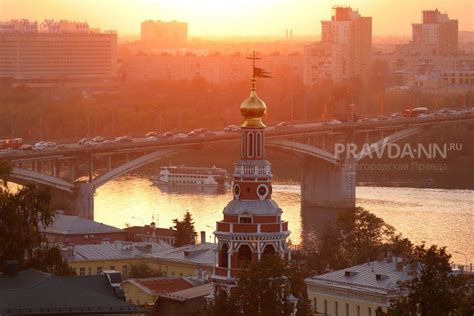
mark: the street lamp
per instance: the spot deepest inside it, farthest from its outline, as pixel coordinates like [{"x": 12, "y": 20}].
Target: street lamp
[
  {"x": 212, "y": 233},
  {"x": 462, "y": 253}
]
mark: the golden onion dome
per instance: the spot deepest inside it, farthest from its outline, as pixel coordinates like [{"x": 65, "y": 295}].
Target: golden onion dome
[{"x": 253, "y": 109}]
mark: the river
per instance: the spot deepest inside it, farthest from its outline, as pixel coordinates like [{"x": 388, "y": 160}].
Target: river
[{"x": 436, "y": 216}]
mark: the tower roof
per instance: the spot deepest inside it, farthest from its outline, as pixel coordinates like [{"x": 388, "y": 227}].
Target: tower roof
[
  {"x": 253, "y": 109},
  {"x": 252, "y": 207}
]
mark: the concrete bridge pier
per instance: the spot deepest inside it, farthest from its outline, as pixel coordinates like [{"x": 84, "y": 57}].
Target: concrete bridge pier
[
  {"x": 328, "y": 185},
  {"x": 84, "y": 200}
]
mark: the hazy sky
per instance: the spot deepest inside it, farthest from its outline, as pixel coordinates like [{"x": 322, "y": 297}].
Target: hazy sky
[{"x": 236, "y": 17}]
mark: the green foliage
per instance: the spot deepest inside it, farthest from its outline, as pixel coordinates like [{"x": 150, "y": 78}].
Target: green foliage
[
  {"x": 184, "y": 231},
  {"x": 142, "y": 270},
  {"x": 22, "y": 214},
  {"x": 356, "y": 237},
  {"x": 434, "y": 289},
  {"x": 264, "y": 288},
  {"x": 49, "y": 259}
]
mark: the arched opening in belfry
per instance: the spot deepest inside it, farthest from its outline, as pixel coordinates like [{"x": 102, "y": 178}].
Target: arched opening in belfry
[
  {"x": 223, "y": 257},
  {"x": 269, "y": 250},
  {"x": 244, "y": 255}
]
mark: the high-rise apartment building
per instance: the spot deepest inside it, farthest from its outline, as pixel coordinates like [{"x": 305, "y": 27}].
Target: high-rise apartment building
[
  {"x": 160, "y": 31},
  {"x": 344, "y": 50},
  {"x": 436, "y": 32},
  {"x": 57, "y": 53}
]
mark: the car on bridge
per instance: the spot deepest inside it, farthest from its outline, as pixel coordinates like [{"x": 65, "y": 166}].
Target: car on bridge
[
  {"x": 232, "y": 128},
  {"x": 282, "y": 126},
  {"x": 150, "y": 134},
  {"x": 168, "y": 134}
]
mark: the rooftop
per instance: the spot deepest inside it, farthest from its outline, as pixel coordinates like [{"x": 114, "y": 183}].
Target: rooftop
[
  {"x": 35, "y": 292},
  {"x": 73, "y": 225},
  {"x": 116, "y": 250},
  {"x": 200, "y": 254},
  {"x": 162, "y": 285},
  {"x": 378, "y": 277},
  {"x": 190, "y": 293}
]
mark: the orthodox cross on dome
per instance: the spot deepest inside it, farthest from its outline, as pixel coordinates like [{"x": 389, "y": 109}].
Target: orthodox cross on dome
[{"x": 258, "y": 72}]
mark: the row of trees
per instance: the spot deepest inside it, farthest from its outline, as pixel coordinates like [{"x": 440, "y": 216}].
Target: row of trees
[{"x": 172, "y": 105}]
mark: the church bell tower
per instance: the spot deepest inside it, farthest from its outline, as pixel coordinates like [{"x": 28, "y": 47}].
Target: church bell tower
[{"x": 252, "y": 226}]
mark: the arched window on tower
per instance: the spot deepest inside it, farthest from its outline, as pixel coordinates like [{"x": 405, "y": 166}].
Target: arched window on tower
[
  {"x": 259, "y": 145},
  {"x": 250, "y": 145},
  {"x": 269, "y": 250},
  {"x": 223, "y": 256},
  {"x": 245, "y": 255},
  {"x": 242, "y": 146}
]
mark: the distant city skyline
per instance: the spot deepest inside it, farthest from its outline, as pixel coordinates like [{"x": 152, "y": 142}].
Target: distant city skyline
[{"x": 211, "y": 18}]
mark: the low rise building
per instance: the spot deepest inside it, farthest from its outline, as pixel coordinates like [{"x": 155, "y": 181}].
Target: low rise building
[
  {"x": 192, "y": 260},
  {"x": 150, "y": 233},
  {"x": 33, "y": 292},
  {"x": 359, "y": 290},
  {"x": 66, "y": 229},
  {"x": 119, "y": 256},
  {"x": 145, "y": 291},
  {"x": 184, "y": 302},
  {"x": 214, "y": 68}
]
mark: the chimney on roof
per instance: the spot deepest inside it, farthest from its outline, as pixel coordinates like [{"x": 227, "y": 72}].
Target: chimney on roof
[
  {"x": 399, "y": 266},
  {"x": 148, "y": 248},
  {"x": 203, "y": 237},
  {"x": 153, "y": 225},
  {"x": 380, "y": 256},
  {"x": 12, "y": 268}
]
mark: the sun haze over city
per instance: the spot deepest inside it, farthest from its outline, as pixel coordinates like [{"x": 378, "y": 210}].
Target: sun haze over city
[{"x": 216, "y": 18}]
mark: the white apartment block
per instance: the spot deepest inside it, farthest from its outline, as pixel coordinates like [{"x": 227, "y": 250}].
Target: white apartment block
[
  {"x": 57, "y": 53},
  {"x": 213, "y": 68},
  {"x": 344, "y": 50}
]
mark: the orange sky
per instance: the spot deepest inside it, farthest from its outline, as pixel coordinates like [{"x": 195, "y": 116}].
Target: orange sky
[{"x": 236, "y": 17}]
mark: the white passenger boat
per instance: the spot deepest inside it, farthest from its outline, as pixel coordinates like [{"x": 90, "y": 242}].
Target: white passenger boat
[{"x": 194, "y": 176}]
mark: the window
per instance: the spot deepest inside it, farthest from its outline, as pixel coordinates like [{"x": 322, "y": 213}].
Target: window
[
  {"x": 358, "y": 310},
  {"x": 112, "y": 267},
  {"x": 315, "y": 305},
  {"x": 99, "y": 270},
  {"x": 250, "y": 145},
  {"x": 124, "y": 270},
  {"x": 89, "y": 271},
  {"x": 242, "y": 147},
  {"x": 82, "y": 271},
  {"x": 369, "y": 311},
  {"x": 347, "y": 309},
  {"x": 245, "y": 218},
  {"x": 259, "y": 145},
  {"x": 269, "y": 250},
  {"x": 336, "y": 308},
  {"x": 223, "y": 256},
  {"x": 325, "y": 306},
  {"x": 244, "y": 255}
]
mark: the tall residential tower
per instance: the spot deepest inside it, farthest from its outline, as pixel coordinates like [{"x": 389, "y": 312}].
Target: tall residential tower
[{"x": 344, "y": 50}]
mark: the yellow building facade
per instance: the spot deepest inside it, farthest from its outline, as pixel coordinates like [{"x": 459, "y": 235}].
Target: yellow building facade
[{"x": 360, "y": 290}]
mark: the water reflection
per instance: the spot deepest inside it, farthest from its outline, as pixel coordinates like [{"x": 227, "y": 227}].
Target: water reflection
[{"x": 437, "y": 216}]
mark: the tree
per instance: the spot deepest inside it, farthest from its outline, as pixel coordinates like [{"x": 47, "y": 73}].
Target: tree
[
  {"x": 357, "y": 236},
  {"x": 184, "y": 231},
  {"x": 264, "y": 288},
  {"x": 434, "y": 289},
  {"x": 142, "y": 270},
  {"x": 22, "y": 214}
]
